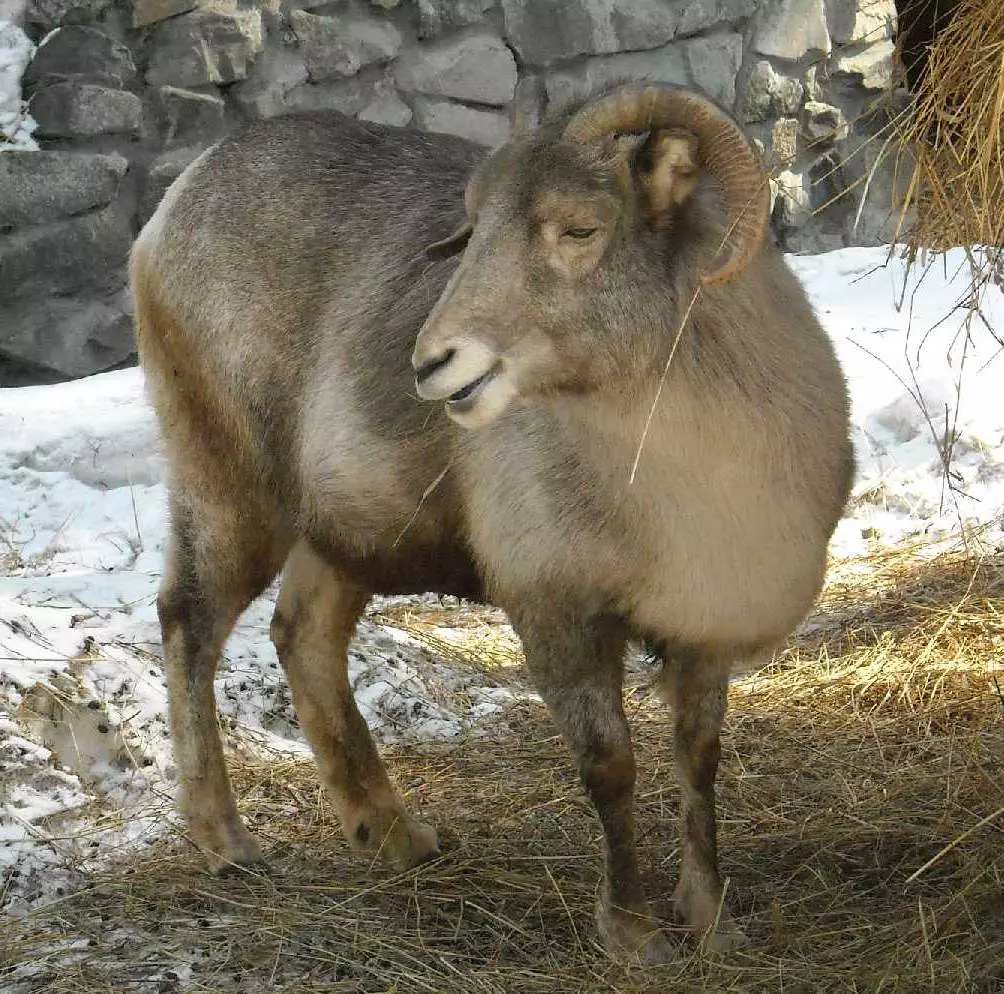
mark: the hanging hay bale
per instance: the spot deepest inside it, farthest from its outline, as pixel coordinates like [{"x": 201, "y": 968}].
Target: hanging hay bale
[{"x": 955, "y": 134}]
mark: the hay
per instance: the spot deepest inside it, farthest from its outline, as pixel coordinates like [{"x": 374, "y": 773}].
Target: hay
[
  {"x": 955, "y": 133},
  {"x": 862, "y": 831}
]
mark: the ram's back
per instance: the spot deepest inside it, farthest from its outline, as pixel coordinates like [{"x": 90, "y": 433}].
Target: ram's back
[{"x": 279, "y": 288}]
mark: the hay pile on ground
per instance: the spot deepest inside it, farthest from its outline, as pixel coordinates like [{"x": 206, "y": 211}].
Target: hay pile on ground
[
  {"x": 955, "y": 133},
  {"x": 862, "y": 830}
]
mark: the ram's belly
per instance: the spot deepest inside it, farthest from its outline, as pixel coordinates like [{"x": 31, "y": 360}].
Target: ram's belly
[{"x": 731, "y": 563}]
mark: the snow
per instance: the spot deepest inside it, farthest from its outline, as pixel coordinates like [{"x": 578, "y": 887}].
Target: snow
[
  {"x": 16, "y": 125},
  {"x": 82, "y": 530},
  {"x": 920, "y": 374}
]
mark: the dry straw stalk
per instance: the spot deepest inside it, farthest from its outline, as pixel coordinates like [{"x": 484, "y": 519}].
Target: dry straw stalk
[{"x": 861, "y": 830}]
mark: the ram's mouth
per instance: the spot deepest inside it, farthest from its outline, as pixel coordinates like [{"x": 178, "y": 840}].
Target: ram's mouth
[{"x": 465, "y": 397}]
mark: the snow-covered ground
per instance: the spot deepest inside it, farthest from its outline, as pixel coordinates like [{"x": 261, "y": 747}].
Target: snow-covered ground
[
  {"x": 82, "y": 526},
  {"x": 16, "y": 125}
]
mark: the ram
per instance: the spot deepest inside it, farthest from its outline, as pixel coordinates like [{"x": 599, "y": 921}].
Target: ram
[{"x": 303, "y": 277}]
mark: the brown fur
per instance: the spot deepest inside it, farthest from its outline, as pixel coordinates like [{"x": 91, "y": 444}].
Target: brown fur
[{"x": 280, "y": 290}]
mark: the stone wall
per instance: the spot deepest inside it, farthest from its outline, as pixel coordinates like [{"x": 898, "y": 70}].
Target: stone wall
[{"x": 126, "y": 93}]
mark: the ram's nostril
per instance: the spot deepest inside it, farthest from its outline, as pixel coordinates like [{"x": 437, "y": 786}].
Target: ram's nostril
[{"x": 425, "y": 369}]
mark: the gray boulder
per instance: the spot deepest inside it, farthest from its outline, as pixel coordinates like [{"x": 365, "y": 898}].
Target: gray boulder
[
  {"x": 792, "y": 29},
  {"x": 64, "y": 337},
  {"x": 64, "y": 256},
  {"x": 72, "y": 110},
  {"x": 386, "y": 107},
  {"x": 189, "y": 117},
  {"x": 699, "y": 15},
  {"x": 146, "y": 12},
  {"x": 872, "y": 64},
  {"x": 713, "y": 62},
  {"x": 341, "y": 45},
  {"x": 44, "y": 15},
  {"x": 769, "y": 94},
  {"x": 548, "y": 31},
  {"x": 347, "y": 96},
  {"x": 278, "y": 70},
  {"x": 861, "y": 20},
  {"x": 824, "y": 122},
  {"x": 476, "y": 67},
  {"x": 709, "y": 63},
  {"x": 163, "y": 171},
  {"x": 43, "y": 186},
  {"x": 876, "y": 180},
  {"x": 784, "y": 141},
  {"x": 792, "y": 203},
  {"x": 439, "y": 16},
  {"x": 204, "y": 47},
  {"x": 83, "y": 55},
  {"x": 482, "y": 126}
]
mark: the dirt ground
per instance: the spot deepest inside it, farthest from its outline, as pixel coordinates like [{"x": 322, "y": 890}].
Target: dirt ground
[{"x": 861, "y": 802}]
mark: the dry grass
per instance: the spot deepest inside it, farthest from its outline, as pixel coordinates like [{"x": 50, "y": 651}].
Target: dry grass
[
  {"x": 956, "y": 132},
  {"x": 862, "y": 830}
]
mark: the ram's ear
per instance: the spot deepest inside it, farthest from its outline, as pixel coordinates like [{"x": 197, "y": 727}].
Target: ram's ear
[
  {"x": 667, "y": 167},
  {"x": 453, "y": 244}
]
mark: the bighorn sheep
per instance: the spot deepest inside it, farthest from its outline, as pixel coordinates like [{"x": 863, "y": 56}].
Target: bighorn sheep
[{"x": 284, "y": 294}]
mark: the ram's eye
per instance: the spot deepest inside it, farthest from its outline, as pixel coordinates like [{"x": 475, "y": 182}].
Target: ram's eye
[{"x": 580, "y": 234}]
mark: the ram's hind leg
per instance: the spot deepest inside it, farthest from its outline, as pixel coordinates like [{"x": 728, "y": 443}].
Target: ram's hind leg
[
  {"x": 218, "y": 560},
  {"x": 314, "y": 620},
  {"x": 697, "y": 688}
]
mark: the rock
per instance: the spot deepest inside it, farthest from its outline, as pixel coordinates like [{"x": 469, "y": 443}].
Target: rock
[
  {"x": 769, "y": 94},
  {"x": 481, "y": 126},
  {"x": 548, "y": 31},
  {"x": 64, "y": 256},
  {"x": 67, "y": 336},
  {"x": 69, "y": 110},
  {"x": 439, "y": 16},
  {"x": 83, "y": 55},
  {"x": 714, "y": 62},
  {"x": 145, "y": 12},
  {"x": 792, "y": 29},
  {"x": 784, "y": 141},
  {"x": 699, "y": 15},
  {"x": 476, "y": 67},
  {"x": 813, "y": 91},
  {"x": 873, "y": 64},
  {"x": 871, "y": 173},
  {"x": 277, "y": 71},
  {"x": 340, "y": 45},
  {"x": 665, "y": 65},
  {"x": 163, "y": 171},
  {"x": 710, "y": 63},
  {"x": 386, "y": 107},
  {"x": 861, "y": 20},
  {"x": 792, "y": 204},
  {"x": 347, "y": 96},
  {"x": 529, "y": 104},
  {"x": 824, "y": 122},
  {"x": 190, "y": 117},
  {"x": 204, "y": 47},
  {"x": 44, "y": 15},
  {"x": 42, "y": 186}
]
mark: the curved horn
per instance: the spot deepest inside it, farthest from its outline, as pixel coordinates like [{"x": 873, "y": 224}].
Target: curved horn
[{"x": 724, "y": 150}]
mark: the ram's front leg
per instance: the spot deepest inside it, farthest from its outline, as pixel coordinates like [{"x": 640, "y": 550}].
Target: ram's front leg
[
  {"x": 577, "y": 664},
  {"x": 697, "y": 690}
]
